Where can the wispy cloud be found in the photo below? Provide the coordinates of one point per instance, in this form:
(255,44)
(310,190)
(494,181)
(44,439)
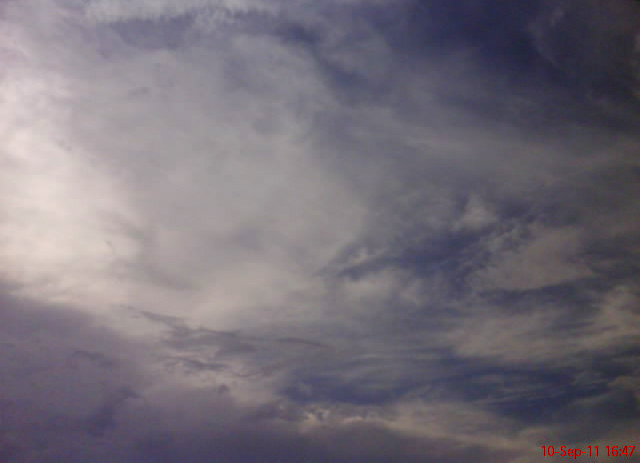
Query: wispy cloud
(343,231)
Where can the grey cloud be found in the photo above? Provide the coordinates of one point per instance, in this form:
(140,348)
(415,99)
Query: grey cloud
(52,387)
(102,419)
(347,231)
(357,442)
(148,34)
(94,357)
(603,54)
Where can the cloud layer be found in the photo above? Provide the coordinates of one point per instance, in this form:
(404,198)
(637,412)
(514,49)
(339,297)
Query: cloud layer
(346,231)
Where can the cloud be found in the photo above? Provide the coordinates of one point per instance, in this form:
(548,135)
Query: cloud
(602,54)
(140,411)
(548,257)
(348,231)
(110,11)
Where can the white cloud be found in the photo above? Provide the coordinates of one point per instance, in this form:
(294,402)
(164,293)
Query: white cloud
(153,168)
(476,215)
(110,11)
(208,13)
(616,322)
(540,333)
(544,257)
(512,338)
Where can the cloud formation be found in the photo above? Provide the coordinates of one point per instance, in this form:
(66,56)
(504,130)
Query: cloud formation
(346,231)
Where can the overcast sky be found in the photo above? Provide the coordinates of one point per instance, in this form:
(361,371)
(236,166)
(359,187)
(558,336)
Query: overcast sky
(318,231)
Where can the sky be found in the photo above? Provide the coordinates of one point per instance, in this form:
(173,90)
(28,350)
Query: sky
(330,231)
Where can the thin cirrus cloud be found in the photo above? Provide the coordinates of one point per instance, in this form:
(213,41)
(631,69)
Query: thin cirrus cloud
(339,231)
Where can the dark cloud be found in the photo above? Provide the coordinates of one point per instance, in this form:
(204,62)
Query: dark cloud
(103,418)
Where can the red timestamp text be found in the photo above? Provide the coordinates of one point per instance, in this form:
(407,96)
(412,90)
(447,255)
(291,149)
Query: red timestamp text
(588,451)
